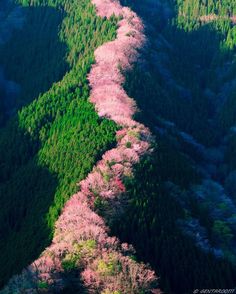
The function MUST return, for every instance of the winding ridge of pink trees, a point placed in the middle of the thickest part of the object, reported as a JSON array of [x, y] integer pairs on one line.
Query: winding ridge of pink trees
[[81, 237]]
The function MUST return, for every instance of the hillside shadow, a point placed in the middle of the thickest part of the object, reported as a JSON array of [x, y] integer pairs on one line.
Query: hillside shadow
[[33, 57], [26, 191], [183, 65], [177, 82]]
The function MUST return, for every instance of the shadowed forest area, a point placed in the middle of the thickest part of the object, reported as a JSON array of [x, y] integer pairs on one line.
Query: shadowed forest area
[[180, 212], [32, 56], [55, 137]]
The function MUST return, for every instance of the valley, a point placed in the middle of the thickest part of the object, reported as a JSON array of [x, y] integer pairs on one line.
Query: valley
[[67, 127]]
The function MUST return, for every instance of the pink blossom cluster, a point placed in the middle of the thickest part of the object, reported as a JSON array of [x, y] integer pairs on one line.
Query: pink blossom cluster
[[132, 142], [81, 235], [106, 77], [212, 17], [105, 265], [233, 19]]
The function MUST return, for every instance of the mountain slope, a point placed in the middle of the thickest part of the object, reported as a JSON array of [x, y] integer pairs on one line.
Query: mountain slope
[[80, 242], [40, 161], [181, 203], [170, 194]]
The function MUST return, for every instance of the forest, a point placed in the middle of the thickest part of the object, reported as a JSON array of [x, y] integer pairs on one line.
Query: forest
[[185, 90], [178, 206], [54, 140]]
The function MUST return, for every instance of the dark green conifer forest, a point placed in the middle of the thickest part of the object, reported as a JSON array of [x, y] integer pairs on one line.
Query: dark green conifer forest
[[54, 140], [185, 85], [180, 205]]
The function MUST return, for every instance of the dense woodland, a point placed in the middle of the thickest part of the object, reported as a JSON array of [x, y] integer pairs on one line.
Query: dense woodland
[[150, 224], [53, 141], [185, 90]]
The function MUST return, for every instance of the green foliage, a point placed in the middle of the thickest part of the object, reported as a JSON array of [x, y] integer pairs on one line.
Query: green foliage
[[109, 267], [231, 38], [111, 292], [54, 141], [220, 228], [69, 264], [128, 145], [192, 15], [81, 249], [42, 285], [188, 75], [101, 204], [89, 244], [149, 222], [190, 11]]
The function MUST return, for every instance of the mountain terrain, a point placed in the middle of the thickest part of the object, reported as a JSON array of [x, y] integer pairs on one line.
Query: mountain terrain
[[117, 144]]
